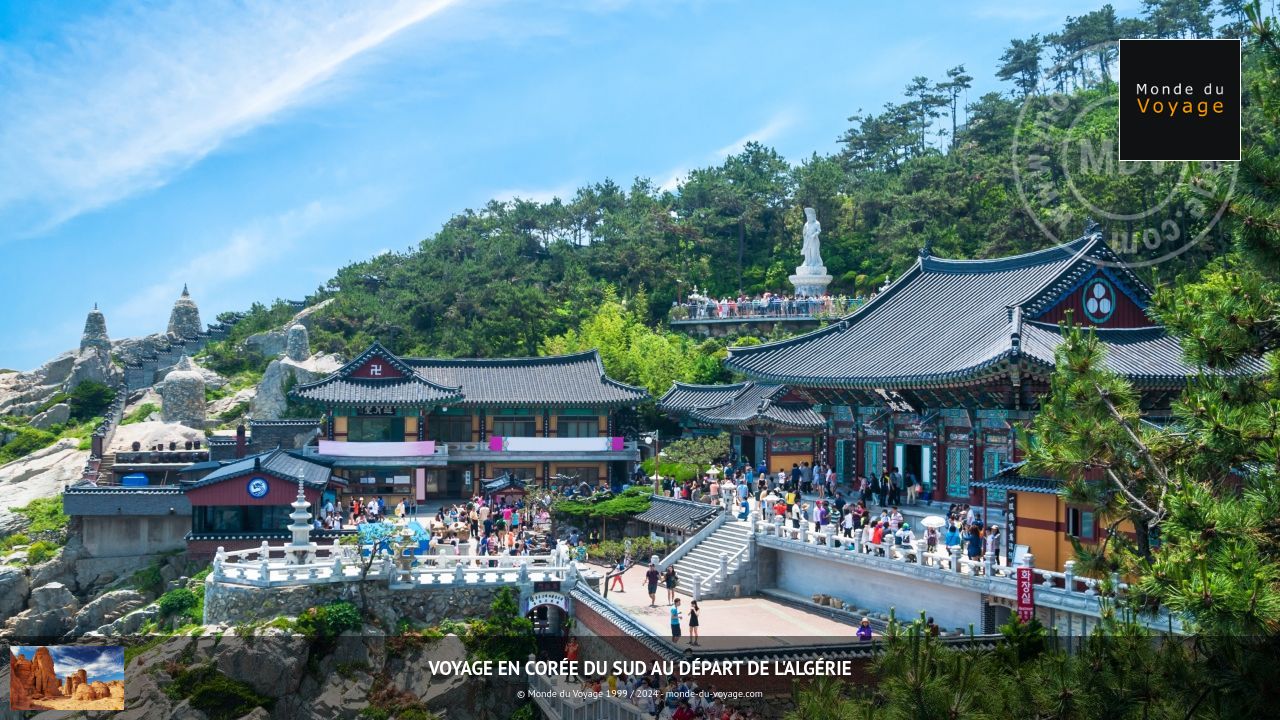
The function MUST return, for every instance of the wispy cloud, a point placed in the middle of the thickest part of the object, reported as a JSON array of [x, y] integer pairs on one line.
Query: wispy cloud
[[129, 99], [247, 250], [771, 129]]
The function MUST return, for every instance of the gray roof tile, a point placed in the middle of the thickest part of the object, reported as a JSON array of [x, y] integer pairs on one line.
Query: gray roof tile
[[276, 462], [673, 513]]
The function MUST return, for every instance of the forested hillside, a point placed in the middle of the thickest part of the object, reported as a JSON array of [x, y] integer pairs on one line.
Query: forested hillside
[[931, 170]]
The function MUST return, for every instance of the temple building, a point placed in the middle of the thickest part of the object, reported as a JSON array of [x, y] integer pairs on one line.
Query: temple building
[[418, 428], [941, 373], [239, 504], [766, 423]]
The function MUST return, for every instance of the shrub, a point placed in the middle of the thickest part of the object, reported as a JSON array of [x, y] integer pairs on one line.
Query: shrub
[[90, 398], [140, 413], [13, 541], [41, 551], [26, 441], [328, 621], [215, 694], [177, 601], [148, 579]]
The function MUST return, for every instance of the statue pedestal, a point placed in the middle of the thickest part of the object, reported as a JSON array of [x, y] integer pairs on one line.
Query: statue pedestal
[[811, 281]]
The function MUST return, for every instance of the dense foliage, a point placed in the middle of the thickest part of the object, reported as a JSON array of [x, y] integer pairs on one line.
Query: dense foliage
[[503, 634], [1116, 672]]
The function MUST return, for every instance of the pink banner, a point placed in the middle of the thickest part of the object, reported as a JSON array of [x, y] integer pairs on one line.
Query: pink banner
[[377, 449], [1026, 595], [562, 445]]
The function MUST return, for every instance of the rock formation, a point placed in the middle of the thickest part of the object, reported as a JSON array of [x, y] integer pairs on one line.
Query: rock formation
[[44, 681], [24, 392], [184, 319], [57, 415], [298, 346], [183, 395], [95, 332], [270, 401]]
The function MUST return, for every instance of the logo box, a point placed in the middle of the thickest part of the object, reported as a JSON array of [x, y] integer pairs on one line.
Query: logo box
[[1180, 100]]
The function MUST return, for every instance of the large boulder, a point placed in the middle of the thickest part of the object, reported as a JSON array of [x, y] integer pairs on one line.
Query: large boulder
[[59, 414], [53, 596], [226, 404], [108, 608], [13, 591], [271, 402]]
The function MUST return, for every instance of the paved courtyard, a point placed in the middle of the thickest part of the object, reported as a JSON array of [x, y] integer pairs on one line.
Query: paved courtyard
[[734, 623]]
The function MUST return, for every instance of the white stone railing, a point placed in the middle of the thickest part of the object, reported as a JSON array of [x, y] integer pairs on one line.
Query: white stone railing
[[289, 565], [692, 541], [945, 562], [728, 565]]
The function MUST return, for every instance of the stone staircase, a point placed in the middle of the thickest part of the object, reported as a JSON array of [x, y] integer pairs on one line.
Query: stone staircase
[[704, 559], [104, 468]]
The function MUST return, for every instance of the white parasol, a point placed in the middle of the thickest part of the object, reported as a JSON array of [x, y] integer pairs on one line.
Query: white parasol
[[934, 521]]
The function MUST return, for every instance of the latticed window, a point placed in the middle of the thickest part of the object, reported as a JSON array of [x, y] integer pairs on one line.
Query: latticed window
[[958, 472], [576, 427], [515, 426]]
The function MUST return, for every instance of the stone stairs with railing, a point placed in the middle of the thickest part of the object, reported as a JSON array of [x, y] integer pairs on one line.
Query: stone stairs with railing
[[703, 561]]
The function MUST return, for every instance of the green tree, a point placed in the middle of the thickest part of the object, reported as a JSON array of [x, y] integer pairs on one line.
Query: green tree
[[504, 634], [1021, 64], [698, 452]]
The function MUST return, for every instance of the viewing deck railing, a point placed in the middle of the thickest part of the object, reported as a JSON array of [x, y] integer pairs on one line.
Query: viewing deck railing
[[294, 565], [944, 561], [774, 308]]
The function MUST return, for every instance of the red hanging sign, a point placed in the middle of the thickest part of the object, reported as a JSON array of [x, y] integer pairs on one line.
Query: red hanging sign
[[1026, 595]]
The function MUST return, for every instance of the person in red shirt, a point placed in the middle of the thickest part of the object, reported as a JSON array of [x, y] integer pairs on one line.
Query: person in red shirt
[[780, 508], [683, 712]]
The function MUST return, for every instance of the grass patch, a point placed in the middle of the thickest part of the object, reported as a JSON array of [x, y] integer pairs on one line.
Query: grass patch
[[140, 413], [44, 514], [215, 694], [14, 540], [133, 651], [26, 441]]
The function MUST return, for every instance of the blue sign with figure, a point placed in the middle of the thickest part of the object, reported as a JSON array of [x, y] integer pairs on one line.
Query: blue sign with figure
[[258, 487]]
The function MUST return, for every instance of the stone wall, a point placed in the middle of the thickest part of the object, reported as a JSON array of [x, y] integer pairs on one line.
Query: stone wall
[[952, 607], [106, 537], [238, 604]]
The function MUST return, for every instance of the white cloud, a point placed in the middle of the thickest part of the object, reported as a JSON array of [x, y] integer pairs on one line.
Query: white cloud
[[128, 100], [246, 251], [772, 128]]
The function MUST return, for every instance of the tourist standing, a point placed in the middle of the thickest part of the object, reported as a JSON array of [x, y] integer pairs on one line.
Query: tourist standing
[[864, 630], [993, 542], [974, 543], [693, 622], [669, 579], [675, 620], [652, 577], [618, 569]]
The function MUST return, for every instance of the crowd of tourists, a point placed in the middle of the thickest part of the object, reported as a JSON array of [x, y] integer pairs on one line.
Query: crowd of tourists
[[748, 492], [765, 305]]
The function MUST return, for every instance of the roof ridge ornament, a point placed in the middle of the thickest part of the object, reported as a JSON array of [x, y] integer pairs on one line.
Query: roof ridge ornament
[[1091, 227]]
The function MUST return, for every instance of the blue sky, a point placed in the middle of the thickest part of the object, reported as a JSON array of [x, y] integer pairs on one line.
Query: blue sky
[[100, 663], [252, 149]]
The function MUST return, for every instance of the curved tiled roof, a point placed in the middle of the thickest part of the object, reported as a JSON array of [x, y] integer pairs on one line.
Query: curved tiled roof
[[683, 397], [280, 463], [1142, 354], [954, 321], [404, 391], [341, 388], [755, 405], [555, 380], [673, 513]]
